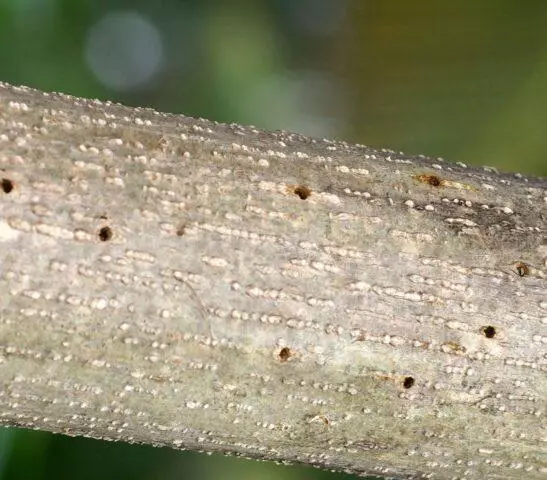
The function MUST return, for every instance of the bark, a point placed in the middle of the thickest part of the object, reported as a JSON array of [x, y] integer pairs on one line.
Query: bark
[[180, 282]]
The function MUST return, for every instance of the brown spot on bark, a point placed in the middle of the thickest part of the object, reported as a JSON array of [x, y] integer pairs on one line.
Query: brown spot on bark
[[7, 185], [301, 191], [453, 347], [522, 269], [489, 331], [284, 354], [318, 418], [408, 382], [432, 180], [105, 234]]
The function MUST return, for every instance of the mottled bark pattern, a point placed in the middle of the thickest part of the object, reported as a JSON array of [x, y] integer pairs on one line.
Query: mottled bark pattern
[[180, 282]]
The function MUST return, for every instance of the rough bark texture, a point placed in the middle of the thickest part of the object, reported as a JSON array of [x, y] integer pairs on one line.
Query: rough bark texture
[[180, 282]]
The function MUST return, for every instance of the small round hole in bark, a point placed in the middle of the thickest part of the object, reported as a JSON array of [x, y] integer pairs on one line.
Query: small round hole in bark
[[105, 234], [522, 269], [408, 382], [6, 185], [284, 354], [489, 331], [432, 180], [302, 191]]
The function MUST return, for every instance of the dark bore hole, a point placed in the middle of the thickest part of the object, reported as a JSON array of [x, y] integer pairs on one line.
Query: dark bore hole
[[180, 231], [105, 234], [302, 191], [7, 185], [284, 354], [408, 382], [434, 181], [489, 331], [522, 269]]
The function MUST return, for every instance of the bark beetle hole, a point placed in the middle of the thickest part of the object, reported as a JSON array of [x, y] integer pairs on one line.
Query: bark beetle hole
[[7, 185], [105, 234], [302, 191], [180, 231], [489, 331], [408, 382], [284, 354], [522, 269], [432, 180]]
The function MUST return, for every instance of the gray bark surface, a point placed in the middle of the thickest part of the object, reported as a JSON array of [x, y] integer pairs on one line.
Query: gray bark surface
[[180, 282]]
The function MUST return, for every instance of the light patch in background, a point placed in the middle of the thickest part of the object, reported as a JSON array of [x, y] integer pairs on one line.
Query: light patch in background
[[306, 102], [124, 50]]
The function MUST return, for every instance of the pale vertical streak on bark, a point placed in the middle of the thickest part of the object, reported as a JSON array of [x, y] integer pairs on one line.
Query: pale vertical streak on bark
[[268, 294]]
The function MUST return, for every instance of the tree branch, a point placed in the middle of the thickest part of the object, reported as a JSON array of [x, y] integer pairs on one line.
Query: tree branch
[[175, 281]]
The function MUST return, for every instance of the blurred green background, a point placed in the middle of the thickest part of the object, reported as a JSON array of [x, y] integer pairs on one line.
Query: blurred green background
[[464, 80]]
